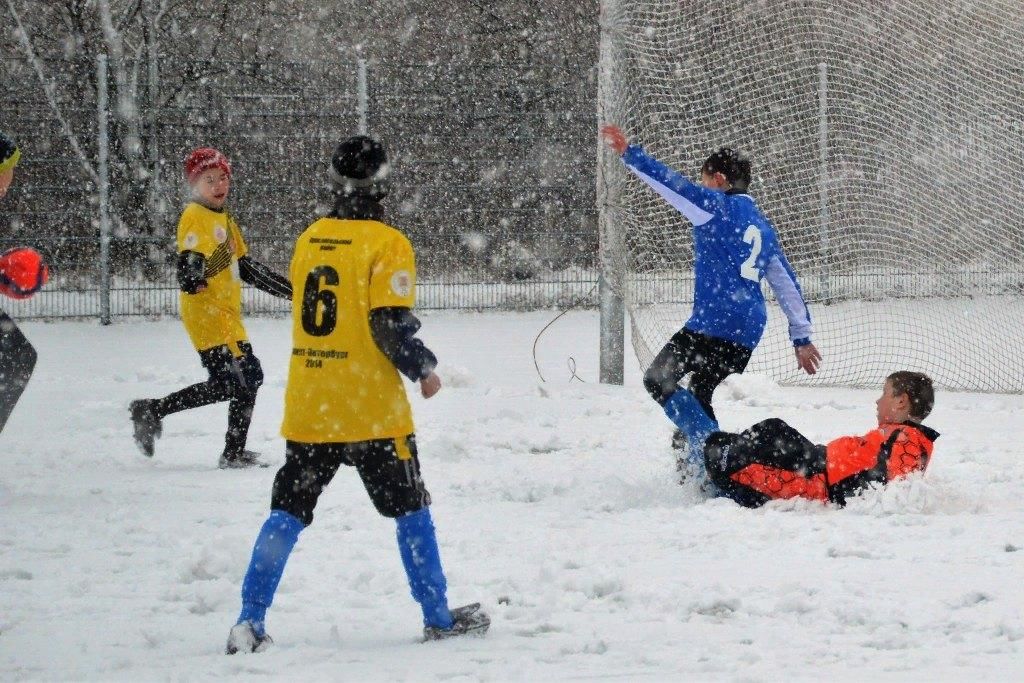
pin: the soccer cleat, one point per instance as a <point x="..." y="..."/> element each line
<point x="146" y="425"/>
<point x="240" y="462"/>
<point x="243" y="638"/>
<point x="679" y="441"/>
<point x="691" y="471"/>
<point x="468" y="621"/>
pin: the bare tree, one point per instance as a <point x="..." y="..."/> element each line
<point x="272" y="82"/>
<point x="157" y="50"/>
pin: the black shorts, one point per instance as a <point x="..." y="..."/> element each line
<point x="708" y="361"/>
<point x="389" y="468"/>
<point x="236" y="376"/>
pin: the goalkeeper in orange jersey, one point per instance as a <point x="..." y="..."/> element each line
<point x="771" y="460"/>
<point x="353" y="332"/>
<point x="213" y="261"/>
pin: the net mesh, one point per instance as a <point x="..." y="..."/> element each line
<point x="887" y="148"/>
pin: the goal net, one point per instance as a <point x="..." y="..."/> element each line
<point x="887" y="143"/>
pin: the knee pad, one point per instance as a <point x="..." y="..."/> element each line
<point x="660" y="383"/>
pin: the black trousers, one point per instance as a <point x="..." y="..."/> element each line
<point x="709" y="359"/>
<point x="17" y="360"/>
<point x="769" y="460"/>
<point x="389" y="468"/>
<point x="231" y="379"/>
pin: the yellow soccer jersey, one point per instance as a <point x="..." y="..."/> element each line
<point x="213" y="317"/>
<point x="341" y="388"/>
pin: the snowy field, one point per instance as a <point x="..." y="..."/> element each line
<point x="556" y="507"/>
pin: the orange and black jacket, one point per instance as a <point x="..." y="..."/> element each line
<point x="889" y="452"/>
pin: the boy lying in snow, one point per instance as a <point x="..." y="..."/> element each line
<point x="771" y="460"/>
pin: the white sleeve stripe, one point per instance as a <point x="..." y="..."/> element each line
<point x="694" y="213"/>
<point x="790" y="300"/>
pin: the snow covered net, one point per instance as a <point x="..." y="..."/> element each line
<point x="887" y="142"/>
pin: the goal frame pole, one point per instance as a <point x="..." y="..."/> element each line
<point x="823" y="218"/>
<point x="612" y="257"/>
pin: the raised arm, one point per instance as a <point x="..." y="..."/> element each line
<point x="697" y="203"/>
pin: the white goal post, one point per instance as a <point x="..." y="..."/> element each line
<point x="887" y="144"/>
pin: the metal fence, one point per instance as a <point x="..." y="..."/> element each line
<point x="493" y="174"/>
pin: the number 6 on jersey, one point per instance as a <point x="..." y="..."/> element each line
<point x="320" y="303"/>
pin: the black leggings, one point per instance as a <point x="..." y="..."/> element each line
<point x="17" y="360"/>
<point x="710" y="360"/>
<point x="389" y="468"/>
<point x="231" y="379"/>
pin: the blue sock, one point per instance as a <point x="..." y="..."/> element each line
<point x="269" y="556"/>
<point x="417" y="544"/>
<point x="686" y="412"/>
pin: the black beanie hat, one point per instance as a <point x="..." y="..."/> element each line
<point x="360" y="166"/>
<point x="9" y="153"/>
<point x="733" y="165"/>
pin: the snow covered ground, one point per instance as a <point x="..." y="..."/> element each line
<point x="556" y="508"/>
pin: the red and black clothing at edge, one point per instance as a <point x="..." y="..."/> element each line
<point x="771" y="461"/>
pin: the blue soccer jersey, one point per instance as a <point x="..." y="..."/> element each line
<point x="734" y="247"/>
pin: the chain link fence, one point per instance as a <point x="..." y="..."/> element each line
<point x="493" y="173"/>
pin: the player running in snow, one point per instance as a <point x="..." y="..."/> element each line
<point x="735" y="246"/>
<point x="22" y="273"/>
<point x="213" y="262"/>
<point x="353" y="332"/>
<point x="771" y="460"/>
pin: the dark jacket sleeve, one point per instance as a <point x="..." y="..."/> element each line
<point x="263" y="278"/>
<point x="191" y="269"/>
<point x="394" y="329"/>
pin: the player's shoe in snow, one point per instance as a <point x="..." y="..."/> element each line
<point x="241" y="461"/>
<point x="691" y="475"/>
<point x="690" y="471"/>
<point x="681" y="449"/>
<point x="146" y="425"/>
<point x="469" y="621"/>
<point x="243" y="638"/>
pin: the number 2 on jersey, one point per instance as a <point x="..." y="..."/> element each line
<point x="320" y="301"/>
<point x="749" y="268"/>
